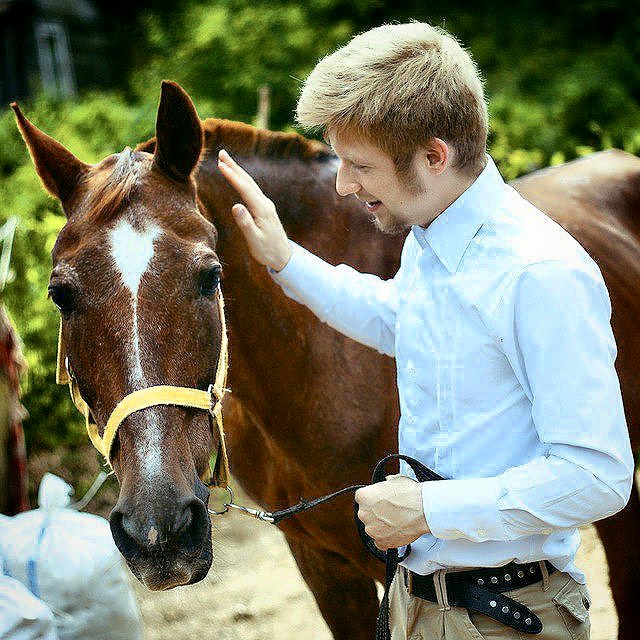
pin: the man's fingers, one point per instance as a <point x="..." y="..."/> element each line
<point x="225" y="156"/>
<point x="236" y="179"/>
<point x="257" y="217"/>
<point x="239" y="212"/>
<point x="243" y="218"/>
<point x="241" y="181"/>
<point x="239" y="173"/>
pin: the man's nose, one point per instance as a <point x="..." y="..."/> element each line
<point x="345" y="184"/>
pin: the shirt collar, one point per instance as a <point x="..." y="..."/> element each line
<point x="451" y="232"/>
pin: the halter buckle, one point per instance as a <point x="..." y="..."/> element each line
<point x="213" y="512"/>
<point x="214" y="399"/>
<point x="265" y="516"/>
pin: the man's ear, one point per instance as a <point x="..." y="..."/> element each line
<point x="57" y="167"/>
<point x="178" y="133"/>
<point x="437" y="155"/>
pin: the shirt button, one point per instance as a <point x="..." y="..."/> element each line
<point x="411" y="419"/>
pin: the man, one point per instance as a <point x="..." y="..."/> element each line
<point x="500" y="325"/>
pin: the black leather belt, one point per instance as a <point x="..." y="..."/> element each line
<point x="482" y="590"/>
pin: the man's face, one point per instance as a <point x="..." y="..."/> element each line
<point x="393" y="203"/>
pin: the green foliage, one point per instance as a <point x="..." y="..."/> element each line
<point x="221" y="53"/>
<point x="562" y="81"/>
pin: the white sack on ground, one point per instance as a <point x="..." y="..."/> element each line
<point x="69" y="560"/>
<point x="22" y="615"/>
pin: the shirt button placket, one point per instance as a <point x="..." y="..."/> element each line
<point x="445" y="372"/>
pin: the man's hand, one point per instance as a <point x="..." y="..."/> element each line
<point x="392" y="511"/>
<point x="258" y="220"/>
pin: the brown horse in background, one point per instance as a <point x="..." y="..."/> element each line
<point x="311" y="410"/>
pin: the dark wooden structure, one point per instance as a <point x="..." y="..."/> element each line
<point x="51" y="46"/>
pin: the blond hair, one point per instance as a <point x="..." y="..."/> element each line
<point x="400" y="86"/>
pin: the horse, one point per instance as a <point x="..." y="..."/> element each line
<point x="135" y="274"/>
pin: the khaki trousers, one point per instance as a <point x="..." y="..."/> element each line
<point x="558" y="600"/>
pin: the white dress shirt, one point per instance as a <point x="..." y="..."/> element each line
<point x="500" y="325"/>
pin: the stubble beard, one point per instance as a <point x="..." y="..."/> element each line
<point x="387" y="223"/>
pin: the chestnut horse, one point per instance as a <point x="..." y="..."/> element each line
<point x="134" y="271"/>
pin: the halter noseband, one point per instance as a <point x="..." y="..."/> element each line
<point x="210" y="400"/>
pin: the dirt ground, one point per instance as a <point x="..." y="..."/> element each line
<point x="254" y="591"/>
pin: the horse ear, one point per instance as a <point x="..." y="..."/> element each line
<point x="57" y="167"/>
<point x="178" y="133"/>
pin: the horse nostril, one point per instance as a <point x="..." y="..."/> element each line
<point x="184" y="520"/>
<point x="191" y="529"/>
<point x="128" y="546"/>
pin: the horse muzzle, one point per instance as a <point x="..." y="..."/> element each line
<point x="167" y="543"/>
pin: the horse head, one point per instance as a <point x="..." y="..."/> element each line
<point x="136" y="279"/>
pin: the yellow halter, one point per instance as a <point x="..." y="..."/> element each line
<point x="210" y="400"/>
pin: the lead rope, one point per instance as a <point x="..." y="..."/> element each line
<point x="391" y="557"/>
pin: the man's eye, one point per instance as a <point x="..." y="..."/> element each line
<point x="209" y="280"/>
<point x="360" y="167"/>
<point x="62" y="296"/>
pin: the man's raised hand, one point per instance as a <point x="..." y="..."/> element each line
<point x="257" y="217"/>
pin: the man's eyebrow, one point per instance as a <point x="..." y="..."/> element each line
<point x="356" y="161"/>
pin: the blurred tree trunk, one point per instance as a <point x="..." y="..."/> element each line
<point x="13" y="459"/>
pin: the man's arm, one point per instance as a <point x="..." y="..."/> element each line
<point x="555" y="325"/>
<point x="361" y="306"/>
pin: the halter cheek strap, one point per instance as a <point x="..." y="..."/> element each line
<point x="210" y="400"/>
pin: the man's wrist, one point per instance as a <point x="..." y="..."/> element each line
<point x="282" y="263"/>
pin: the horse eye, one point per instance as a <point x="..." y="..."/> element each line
<point x="62" y="297"/>
<point x="209" y="280"/>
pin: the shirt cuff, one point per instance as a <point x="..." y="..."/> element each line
<point x="300" y="262"/>
<point x="464" y="509"/>
<point x="276" y="275"/>
<point x="307" y="279"/>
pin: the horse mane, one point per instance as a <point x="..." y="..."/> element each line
<point x="110" y="190"/>
<point x="245" y="140"/>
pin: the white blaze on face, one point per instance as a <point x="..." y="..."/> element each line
<point x="132" y="252"/>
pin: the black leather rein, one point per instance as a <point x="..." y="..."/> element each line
<point x="390" y="557"/>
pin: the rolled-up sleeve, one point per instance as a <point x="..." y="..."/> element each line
<point x="553" y="323"/>
<point x="361" y="306"/>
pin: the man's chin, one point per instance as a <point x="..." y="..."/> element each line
<point x="389" y="224"/>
